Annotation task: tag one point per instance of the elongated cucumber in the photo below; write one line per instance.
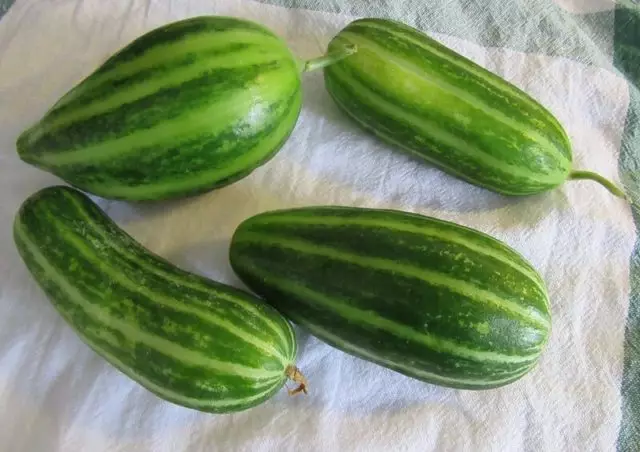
(430, 299)
(431, 102)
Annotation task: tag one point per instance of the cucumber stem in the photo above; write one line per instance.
(293, 373)
(328, 59)
(606, 183)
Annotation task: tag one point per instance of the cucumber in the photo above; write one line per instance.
(185, 108)
(430, 299)
(428, 101)
(189, 340)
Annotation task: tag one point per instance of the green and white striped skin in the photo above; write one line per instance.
(430, 299)
(187, 107)
(442, 108)
(189, 340)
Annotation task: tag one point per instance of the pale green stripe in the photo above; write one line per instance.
(360, 316)
(160, 299)
(211, 119)
(420, 373)
(166, 347)
(145, 88)
(426, 231)
(206, 290)
(206, 385)
(391, 139)
(400, 144)
(458, 286)
(439, 134)
(170, 52)
(292, 340)
(174, 397)
(436, 80)
(243, 162)
(464, 66)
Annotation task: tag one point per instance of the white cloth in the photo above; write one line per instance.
(57, 395)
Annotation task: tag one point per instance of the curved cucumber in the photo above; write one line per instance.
(430, 299)
(435, 104)
(187, 339)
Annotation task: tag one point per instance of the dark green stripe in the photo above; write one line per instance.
(185, 159)
(505, 143)
(352, 330)
(178, 31)
(463, 383)
(395, 220)
(526, 110)
(410, 302)
(150, 111)
(187, 381)
(218, 175)
(398, 217)
(106, 89)
(450, 159)
(420, 252)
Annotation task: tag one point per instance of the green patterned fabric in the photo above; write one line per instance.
(627, 60)
(4, 6)
(543, 26)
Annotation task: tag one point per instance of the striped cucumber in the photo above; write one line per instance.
(431, 102)
(430, 299)
(187, 339)
(189, 106)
